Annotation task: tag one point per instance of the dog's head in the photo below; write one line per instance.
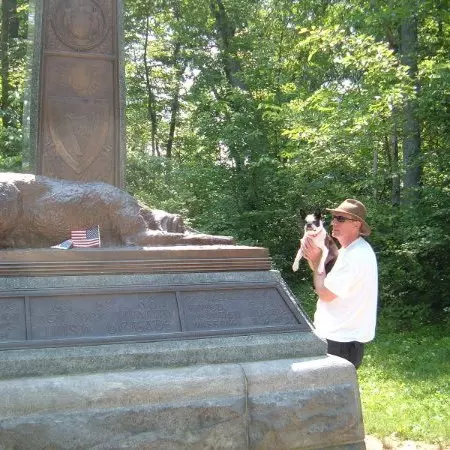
(313, 222)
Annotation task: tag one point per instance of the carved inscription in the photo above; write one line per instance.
(12, 319)
(236, 308)
(268, 310)
(104, 315)
(214, 315)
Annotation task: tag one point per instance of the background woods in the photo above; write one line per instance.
(242, 112)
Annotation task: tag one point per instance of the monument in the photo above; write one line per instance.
(162, 339)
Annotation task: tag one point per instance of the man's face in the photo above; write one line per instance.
(344, 226)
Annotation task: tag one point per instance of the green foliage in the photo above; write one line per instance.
(252, 204)
(10, 163)
(13, 45)
(10, 147)
(342, 120)
(411, 245)
(11, 138)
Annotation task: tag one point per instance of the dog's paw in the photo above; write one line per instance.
(295, 266)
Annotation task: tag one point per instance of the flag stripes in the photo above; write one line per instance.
(86, 238)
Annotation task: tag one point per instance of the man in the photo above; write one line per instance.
(347, 305)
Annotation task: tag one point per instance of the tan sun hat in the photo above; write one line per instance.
(355, 209)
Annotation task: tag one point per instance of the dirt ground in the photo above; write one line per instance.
(393, 443)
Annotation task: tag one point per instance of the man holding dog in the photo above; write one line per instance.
(347, 305)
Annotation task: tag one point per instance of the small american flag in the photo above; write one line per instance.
(86, 238)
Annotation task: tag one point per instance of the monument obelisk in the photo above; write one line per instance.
(75, 110)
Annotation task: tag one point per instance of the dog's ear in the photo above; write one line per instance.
(302, 213)
(318, 213)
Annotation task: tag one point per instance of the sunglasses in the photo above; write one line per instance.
(342, 219)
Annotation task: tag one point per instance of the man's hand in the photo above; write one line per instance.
(312, 253)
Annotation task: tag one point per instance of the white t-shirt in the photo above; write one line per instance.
(351, 316)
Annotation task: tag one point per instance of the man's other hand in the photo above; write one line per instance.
(312, 253)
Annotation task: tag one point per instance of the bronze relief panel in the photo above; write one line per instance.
(80, 25)
(78, 131)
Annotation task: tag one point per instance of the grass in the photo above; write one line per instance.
(405, 385)
(404, 379)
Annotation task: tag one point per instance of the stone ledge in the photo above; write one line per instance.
(125, 356)
(302, 403)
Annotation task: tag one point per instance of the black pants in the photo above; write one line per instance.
(351, 351)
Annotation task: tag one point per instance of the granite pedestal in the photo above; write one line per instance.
(165, 348)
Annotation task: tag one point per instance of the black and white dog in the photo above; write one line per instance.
(314, 229)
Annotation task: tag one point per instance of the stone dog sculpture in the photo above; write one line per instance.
(38, 211)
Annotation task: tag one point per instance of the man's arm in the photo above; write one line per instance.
(319, 286)
(313, 255)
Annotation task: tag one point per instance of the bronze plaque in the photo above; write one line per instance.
(103, 315)
(58, 316)
(224, 309)
(12, 319)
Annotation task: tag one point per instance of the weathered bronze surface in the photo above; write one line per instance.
(38, 212)
(78, 116)
(96, 309)
(127, 260)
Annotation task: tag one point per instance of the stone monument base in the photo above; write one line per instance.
(300, 403)
(218, 359)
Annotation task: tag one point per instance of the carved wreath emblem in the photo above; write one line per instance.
(79, 24)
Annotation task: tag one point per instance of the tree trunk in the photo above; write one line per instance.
(411, 133)
(225, 31)
(4, 60)
(395, 196)
(174, 108)
(151, 101)
(375, 172)
(175, 103)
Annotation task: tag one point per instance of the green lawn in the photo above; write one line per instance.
(405, 385)
(404, 379)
